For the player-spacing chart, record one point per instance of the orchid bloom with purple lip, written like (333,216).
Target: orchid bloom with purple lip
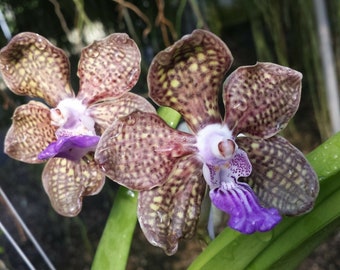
(254,175)
(67,133)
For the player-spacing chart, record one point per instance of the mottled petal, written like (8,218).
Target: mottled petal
(281,176)
(108,68)
(72,148)
(30,132)
(66,182)
(140,150)
(261,99)
(170,212)
(108,110)
(30,65)
(242,206)
(188,75)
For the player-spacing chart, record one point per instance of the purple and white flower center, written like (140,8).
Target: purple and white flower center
(75,135)
(215,144)
(223,164)
(72,118)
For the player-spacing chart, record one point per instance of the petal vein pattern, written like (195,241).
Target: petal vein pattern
(108,68)
(261,99)
(66,182)
(30,132)
(107,111)
(170,212)
(139,150)
(32,66)
(186,77)
(281,176)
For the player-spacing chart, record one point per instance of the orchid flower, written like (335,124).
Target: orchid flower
(65,131)
(254,175)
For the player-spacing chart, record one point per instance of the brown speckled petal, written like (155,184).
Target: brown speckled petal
(140,150)
(106,111)
(108,68)
(281,176)
(188,75)
(30,132)
(170,212)
(261,99)
(66,182)
(30,65)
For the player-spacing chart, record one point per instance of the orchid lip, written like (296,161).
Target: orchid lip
(246,215)
(72,148)
(236,198)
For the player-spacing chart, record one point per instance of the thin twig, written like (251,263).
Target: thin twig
(179,15)
(81,10)
(16,246)
(60,16)
(139,13)
(165,24)
(195,8)
(27,231)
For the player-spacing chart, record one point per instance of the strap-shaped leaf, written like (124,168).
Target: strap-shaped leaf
(188,75)
(139,150)
(30,132)
(66,182)
(30,65)
(261,99)
(281,176)
(170,212)
(108,68)
(106,111)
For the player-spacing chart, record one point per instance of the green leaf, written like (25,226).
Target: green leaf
(325,159)
(295,237)
(114,246)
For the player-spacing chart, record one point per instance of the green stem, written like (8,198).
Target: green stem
(114,246)
(170,116)
(197,12)
(179,15)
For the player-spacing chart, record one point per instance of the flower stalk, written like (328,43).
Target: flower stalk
(114,246)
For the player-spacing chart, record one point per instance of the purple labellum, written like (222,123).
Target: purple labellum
(245,213)
(236,198)
(72,148)
(228,173)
